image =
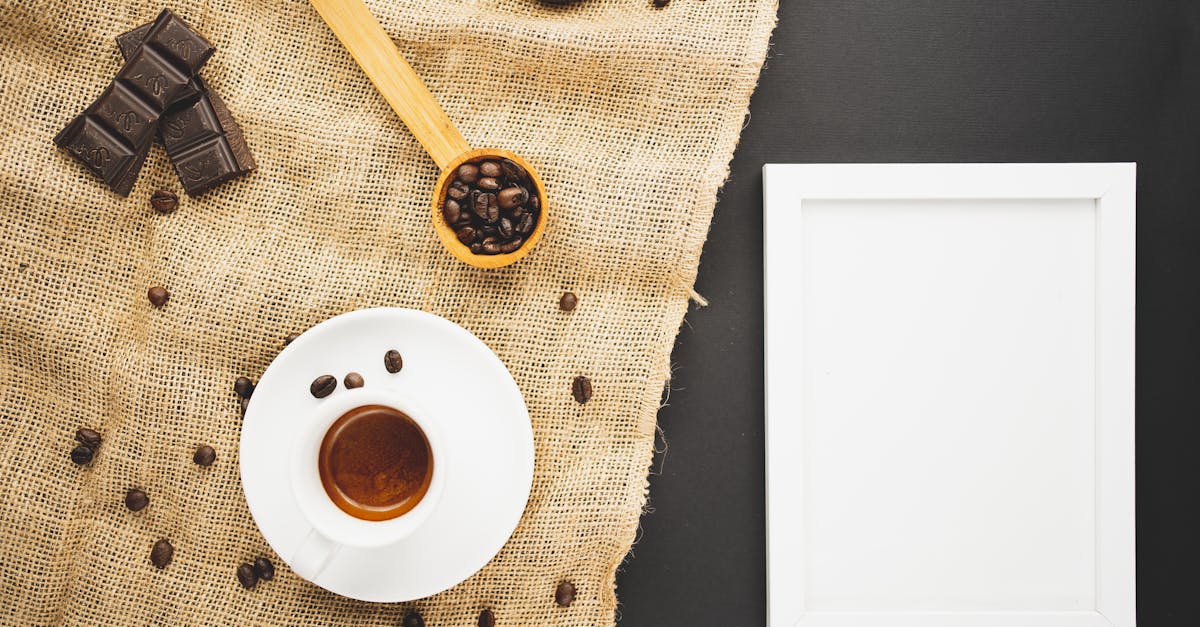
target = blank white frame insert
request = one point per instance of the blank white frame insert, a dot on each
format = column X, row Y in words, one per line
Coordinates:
column 950, row 395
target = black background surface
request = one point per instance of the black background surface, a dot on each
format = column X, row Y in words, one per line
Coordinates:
column 936, row 81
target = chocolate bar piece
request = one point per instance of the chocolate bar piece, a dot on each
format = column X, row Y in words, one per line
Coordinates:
column 201, row 137
column 113, row 135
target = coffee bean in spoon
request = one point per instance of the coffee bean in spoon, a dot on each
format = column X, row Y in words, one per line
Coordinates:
column 136, row 500
column 513, row 170
column 468, row 173
column 490, row 169
column 451, row 211
column 264, row 569
column 246, row 576
column 162, row 553
column 512, row 197
column 89, row 437
column 323, row 386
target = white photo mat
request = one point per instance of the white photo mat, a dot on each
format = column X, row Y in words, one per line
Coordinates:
column 949, row 395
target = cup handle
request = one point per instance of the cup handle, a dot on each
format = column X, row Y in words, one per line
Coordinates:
column 313, row 555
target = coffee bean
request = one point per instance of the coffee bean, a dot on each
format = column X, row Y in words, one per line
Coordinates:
column 581, row 389
column 393, row 361
column 243, row 387
column 264, row 569
column 458, row 190
column 162, row 553
column 534, row 203
column 505, row 228
column 512, row 197
column 158, row 295
column 88, row 437
column 290, row 338
column 484, row 206
column 568, row 301
column 136, row 500
column 525, row 224
column 477, row 248
column 517, row 212
column 511, row 245
column 323, row 386
column 491, row 246
column 413, row 619
column 353, row 380
column 486, row 618
column 468, row 173
column 488, row 183
column 451, row 211
column 245, row 403
column 489, row 231
column 205, row 455
column 658, row 4
column 81, row 454
column 564, row 595
column 490, row 169
column 164, row 201
column 513, row 171
column 466, row 235
column 246, row 576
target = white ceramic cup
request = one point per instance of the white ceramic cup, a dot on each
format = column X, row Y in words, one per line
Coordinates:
column 330, row 527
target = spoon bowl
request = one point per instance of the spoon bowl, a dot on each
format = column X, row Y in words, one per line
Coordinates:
column 446, row 233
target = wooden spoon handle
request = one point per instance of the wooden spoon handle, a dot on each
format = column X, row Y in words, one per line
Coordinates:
column 374, row 51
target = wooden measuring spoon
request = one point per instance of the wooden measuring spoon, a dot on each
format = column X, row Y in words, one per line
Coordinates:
column 375, row 53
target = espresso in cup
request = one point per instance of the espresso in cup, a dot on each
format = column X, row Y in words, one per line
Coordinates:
column 375, row 463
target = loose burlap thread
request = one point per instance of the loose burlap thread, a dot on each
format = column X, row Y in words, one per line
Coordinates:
column 630, row 114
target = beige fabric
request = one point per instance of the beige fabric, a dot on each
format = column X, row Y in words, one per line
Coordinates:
column 631, row 115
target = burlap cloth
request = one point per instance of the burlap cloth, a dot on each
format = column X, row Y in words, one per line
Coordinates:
column 631, row 115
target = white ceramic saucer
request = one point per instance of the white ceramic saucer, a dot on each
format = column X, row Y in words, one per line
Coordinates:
column 484, row 424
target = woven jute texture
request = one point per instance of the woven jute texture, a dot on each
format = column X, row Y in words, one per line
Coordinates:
column 631, row 115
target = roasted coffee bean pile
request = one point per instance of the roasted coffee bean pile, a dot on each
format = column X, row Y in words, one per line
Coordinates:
column 492, row 205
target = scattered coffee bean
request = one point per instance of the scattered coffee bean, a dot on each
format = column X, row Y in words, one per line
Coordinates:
column 353, row 380
column 264, row 569
column 564, row 595
column 486, row 618
column 164, row 201
column 245, row 403
column 244, row 387
column 491, row 205
column 246, row 576
column 205, row 455
column 290, row 338
column 568, row 301
column 658, row 4
column 81, row 454
column 413, row 619
column 323, row 386
column 162, row 553
column 158, row 295
column 136, row 500
column 581, row 389
column 89, row 437
column 393, row 361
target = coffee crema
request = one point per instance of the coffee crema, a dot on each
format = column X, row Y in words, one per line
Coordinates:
column 375, row 463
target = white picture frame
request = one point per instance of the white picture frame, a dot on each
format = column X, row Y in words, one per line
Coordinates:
column 950, row 395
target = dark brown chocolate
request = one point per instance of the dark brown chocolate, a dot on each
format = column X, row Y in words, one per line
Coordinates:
column 202, row 139
column 113, row 135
